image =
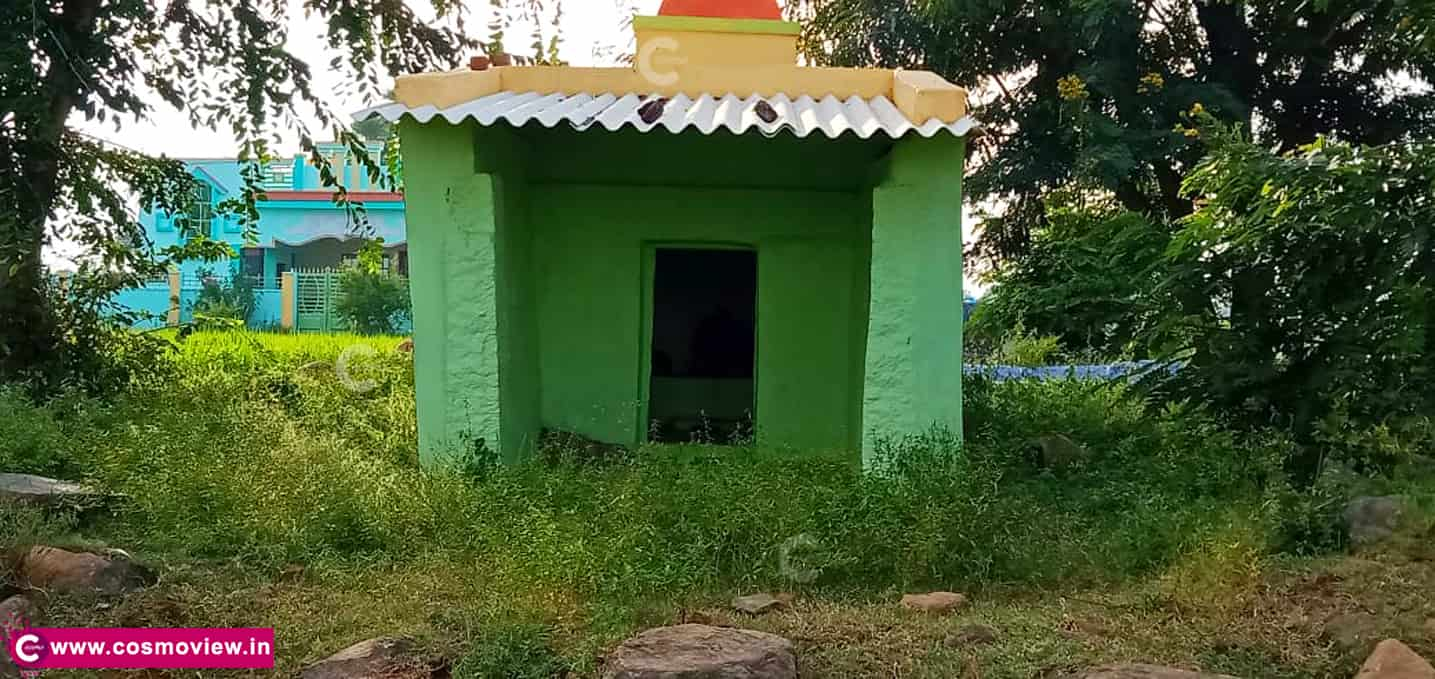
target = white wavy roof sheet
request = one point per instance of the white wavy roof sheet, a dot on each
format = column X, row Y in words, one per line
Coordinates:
column 803, row 116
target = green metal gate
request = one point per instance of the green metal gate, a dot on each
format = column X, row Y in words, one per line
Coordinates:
column 315, row 293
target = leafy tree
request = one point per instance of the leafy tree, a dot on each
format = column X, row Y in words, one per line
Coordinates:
column 225, row 63
column 1090, row 92
column 1322, row 260
column 1093, row 279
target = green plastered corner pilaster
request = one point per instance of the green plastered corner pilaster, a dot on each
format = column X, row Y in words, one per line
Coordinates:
column 452, row 221
column 913, row 371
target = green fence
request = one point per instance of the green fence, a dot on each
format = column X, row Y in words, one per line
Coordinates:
column 315, row 295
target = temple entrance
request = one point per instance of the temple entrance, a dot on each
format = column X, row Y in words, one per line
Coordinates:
column 704, row 346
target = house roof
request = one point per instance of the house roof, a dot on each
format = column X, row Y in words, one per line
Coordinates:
column 700, row 64
column 327, row 196
column 803, row 116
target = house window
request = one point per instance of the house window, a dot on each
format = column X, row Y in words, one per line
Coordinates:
column 253, row 264
column 199, row 218
column 279, row 176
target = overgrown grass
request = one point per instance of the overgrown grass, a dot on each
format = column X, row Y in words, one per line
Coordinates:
column 252, row 450
column 258, row 449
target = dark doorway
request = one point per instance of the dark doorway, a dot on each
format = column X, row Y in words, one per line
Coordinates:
column 704, row 346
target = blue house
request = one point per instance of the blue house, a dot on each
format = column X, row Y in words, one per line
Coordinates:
column 300, row 230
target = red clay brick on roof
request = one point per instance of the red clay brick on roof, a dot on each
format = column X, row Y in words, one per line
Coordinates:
column 328, row 196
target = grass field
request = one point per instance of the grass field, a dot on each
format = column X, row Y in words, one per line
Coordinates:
column 267, row 493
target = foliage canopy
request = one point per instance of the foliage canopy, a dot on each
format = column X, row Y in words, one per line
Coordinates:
column 226, row 64
column 1090, row 92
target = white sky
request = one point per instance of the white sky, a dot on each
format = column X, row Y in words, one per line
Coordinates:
column 593, row 33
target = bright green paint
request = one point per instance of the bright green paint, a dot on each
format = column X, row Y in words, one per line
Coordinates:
column 716, row 25
column 530, row 252
column 591, row 302
column 914, row 335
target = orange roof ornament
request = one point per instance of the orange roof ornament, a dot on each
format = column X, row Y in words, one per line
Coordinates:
column 722, row 9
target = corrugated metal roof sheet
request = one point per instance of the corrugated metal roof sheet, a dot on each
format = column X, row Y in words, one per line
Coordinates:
column 770, row 115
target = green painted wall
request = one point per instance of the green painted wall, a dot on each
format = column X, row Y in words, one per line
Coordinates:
column 531, row 264
column 914, row 335
column 468, row 254
column 505, row 156
column 591, row 288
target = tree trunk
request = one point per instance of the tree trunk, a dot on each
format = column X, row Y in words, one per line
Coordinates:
column 28, row 333
column 27, row 328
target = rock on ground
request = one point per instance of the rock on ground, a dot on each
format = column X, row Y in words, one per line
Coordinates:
column 381, row 658
column 702, row 652
column 1394, row 660
column 1139, row 671
column 38, row 490
column 1056, row 451
column 16, row 612
column 1372, row 519
column 52, row 568
column 935, row 602
column 757, row 604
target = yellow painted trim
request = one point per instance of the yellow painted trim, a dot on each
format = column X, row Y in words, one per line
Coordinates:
column 923, row 95
column 697, row 80
column 661, row 51
column 446, row 89
column 286, row 300
column 172, row 318
column 919, row 95
column 716, row 25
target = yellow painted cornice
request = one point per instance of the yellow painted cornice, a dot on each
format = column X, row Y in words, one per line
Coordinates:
column 919, row 95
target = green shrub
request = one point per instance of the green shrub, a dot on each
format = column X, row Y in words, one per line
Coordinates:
column 34, row 438
column 512, row 651
column 372, row 301
column 224, row 303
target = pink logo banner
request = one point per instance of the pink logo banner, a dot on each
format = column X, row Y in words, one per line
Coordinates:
column 119, row 649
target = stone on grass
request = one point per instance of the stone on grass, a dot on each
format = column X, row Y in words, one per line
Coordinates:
column 1372, row 519
column 16, row 612
column 1056, row 451
column 45, row 492
column 51, row 568
column 702, row 652
column 757, row 604
column 1139, row 671
column 934, row 602
column 1394, row 660
column 381, row 658
column 971, row 635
